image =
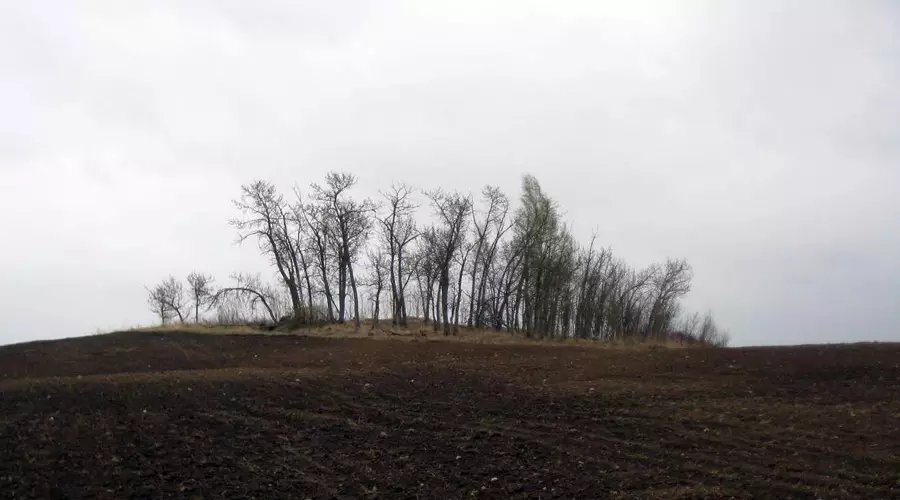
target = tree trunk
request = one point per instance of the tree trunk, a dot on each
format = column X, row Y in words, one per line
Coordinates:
column 329, row 299
column 458, row 300
column 342, row 290
column 426, row 300
column 445, row 303
column 280, row 265
column 296, row 301
column 472, row 309
column 437, row 310
column 375, row 314
column 486, row 267
column 356, row 321
column 309, row 298
column 401, row 289
column 378, row 287
column 394, row 297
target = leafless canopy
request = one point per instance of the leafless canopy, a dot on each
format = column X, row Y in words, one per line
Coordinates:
column 475, row 263
column 200, row 289
column 167, row 300
column 252, row 290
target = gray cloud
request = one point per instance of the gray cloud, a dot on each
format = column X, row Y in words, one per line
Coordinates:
column 757, row 139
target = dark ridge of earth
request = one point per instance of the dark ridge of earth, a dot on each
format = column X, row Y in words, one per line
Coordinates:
column 176, row 415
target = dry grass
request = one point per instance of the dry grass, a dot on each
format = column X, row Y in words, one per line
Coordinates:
column 201, row 328
column 416, row 331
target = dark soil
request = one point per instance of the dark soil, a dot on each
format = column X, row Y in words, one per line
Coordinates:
column 140, row 415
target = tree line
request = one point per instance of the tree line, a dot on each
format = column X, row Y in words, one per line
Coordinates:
column 453, row 260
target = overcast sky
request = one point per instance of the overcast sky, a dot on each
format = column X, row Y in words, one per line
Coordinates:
column 758, row 139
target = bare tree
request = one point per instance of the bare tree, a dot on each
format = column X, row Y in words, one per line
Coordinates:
column 232, row 309
column 348, row 222
column 669, row 284
column 452, row 210
column 159, row 303
column 593, row 291
column 167, row 298
column 427, row 271
column 303, row 244
column 488, row 232
column 378, row 269
column 319, row 244
column 200, row 288
column 266, row 219
column 251, row 289
column 547, row 250
column 520, row 270
column 398, row 229
column 465, row 251
column 709, row 334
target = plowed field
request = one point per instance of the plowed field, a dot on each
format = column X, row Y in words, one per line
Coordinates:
column 176, row 415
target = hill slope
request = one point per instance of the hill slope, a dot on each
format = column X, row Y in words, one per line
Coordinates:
column 176, row 415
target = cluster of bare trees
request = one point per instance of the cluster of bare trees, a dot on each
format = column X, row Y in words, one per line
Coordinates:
column 248, row 299
column 169, row 299
column 458, row 261
column 314, row 245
